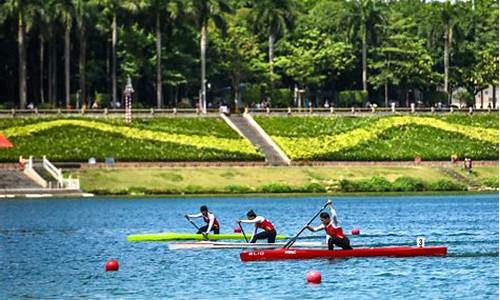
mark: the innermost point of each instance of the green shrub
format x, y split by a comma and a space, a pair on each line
251, 94
352, 98
491, 182
275, 187
281, 98
183, 105
237, 189
408, 184
313, 188
447, 185
346, 185
433, 97
102, 99
134, 190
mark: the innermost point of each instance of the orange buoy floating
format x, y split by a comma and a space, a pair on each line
313, 277
355, 231
112, 265
237, 230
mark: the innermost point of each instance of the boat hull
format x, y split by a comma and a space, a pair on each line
284, 254
175, 236
236, 245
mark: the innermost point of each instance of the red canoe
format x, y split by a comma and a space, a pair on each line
281, 254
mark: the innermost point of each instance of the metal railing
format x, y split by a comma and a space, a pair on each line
172, 112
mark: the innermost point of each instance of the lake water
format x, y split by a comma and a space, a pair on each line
57, 249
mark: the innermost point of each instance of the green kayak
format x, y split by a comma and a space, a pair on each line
175, 236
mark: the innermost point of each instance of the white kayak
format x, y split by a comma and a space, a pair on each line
234, 245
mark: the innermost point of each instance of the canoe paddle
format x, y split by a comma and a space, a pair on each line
242, 231
290, 242
196, 226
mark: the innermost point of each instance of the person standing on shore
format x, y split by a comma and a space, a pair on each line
209, 218
269, 232
334, 233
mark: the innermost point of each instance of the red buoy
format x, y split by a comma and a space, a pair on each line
237, 230
355, 231
313, 276
112, 265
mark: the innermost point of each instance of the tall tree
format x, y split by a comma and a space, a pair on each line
313, 58
205, 11
67, 12
22, 10
363, 18
274, 17
111, 9
164, 11
401, 59
239, 56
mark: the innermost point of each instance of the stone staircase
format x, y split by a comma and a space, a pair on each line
471, 183
16, 180
273, 157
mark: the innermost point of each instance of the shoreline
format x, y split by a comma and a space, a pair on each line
249, 195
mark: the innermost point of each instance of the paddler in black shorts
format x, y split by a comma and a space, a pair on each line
269, 232
334, 233
209, 218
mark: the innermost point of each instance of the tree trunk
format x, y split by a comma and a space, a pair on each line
42, 44
272, 39
494, 96
364, 57
113, 59
21, 34
67, 64
54, 72
386, 94
50, 72
446, 61
82, 64
203, 49
159, 101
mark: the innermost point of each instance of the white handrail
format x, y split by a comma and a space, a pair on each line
55, 172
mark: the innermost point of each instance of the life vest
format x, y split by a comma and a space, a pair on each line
266, 225
334, 231
207, 220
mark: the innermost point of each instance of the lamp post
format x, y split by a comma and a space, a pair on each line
127, 93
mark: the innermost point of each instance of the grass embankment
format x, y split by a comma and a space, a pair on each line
385, 138
162, 139
242, 180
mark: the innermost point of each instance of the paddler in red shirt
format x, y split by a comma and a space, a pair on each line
269, 232
209, 218
334, 233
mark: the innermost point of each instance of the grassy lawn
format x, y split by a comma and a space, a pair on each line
210, 179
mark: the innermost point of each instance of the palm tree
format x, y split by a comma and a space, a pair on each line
169, 9
204, 11
83, 13
448, 21
67, 12
22, 10
111, 7
274, 17
363, 17
43, 21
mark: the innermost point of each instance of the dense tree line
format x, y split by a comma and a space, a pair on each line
60, 52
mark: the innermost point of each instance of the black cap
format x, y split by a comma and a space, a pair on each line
324, 215
251, 213
203, 208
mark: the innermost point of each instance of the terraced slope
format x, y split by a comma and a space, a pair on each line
167, 139
384, 138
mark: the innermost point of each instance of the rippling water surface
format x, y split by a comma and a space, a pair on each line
58, 248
